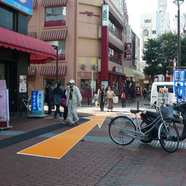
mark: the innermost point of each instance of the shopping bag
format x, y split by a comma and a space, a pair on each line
115, 99
63, 102
97, 104
123, 95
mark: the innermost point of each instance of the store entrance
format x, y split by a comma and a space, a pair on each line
11, 82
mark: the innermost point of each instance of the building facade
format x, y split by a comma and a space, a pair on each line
88, 51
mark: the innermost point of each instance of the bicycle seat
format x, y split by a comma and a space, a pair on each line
135, 111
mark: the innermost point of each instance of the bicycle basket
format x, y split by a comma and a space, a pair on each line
168, 113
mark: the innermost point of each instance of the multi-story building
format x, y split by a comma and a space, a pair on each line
90, 47
153, 25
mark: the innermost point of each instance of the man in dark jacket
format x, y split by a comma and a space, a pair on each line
48, 96
58, 94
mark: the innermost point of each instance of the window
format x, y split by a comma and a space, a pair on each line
169, 87
145, 32
55, 16
115, 56
147, 20
61, 48
154, 32
6, 20
86, 85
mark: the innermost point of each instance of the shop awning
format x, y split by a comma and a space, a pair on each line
53, 35
53, 3
129, 72
40, 51
31, 71
51, 71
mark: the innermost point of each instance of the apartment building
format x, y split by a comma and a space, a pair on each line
89, 37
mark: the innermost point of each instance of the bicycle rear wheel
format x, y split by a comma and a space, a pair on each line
169, 137
119, 130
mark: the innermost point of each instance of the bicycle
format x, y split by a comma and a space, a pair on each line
123, 130
25, 105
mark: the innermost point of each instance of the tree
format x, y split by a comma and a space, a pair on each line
151, 56
159, 54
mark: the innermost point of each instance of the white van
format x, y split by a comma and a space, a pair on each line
156, 88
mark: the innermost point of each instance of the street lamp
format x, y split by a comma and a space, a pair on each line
56, 48
178, 3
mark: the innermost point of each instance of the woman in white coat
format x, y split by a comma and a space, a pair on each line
74, 99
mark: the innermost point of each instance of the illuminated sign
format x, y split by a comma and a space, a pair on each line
22, 5
105, 15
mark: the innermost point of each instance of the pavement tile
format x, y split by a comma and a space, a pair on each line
94, 161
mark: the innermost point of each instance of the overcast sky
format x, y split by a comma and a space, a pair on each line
136, 7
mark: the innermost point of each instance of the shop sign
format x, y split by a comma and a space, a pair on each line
37, 102
22, 5
179, 84
128, 51
105, 15
117, 69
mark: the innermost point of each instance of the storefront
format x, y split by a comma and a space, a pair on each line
17, 52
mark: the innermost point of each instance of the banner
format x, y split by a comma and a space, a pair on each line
37, 102
179, 84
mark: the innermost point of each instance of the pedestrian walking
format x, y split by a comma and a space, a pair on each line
123, 97
48, 96
101, 97
65, 113
110, 94
74, 99
57, 96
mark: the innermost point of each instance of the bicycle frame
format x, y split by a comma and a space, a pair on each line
139, 134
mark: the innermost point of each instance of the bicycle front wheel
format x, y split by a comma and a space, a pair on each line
121, 129
169, 137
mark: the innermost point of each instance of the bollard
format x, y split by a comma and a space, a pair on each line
88, 99
137, 104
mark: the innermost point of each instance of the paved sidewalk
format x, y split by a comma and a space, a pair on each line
94, 160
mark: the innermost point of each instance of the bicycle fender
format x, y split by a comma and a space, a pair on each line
159, 130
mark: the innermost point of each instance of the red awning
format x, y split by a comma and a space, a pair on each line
54, 35
40, 51
51, 71
53, 3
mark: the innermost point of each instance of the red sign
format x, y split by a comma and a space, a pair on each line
128, 51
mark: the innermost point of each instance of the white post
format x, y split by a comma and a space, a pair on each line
92, 86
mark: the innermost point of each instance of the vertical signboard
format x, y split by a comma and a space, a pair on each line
22, 84
105, 15
179, 84
37, 102
128, 51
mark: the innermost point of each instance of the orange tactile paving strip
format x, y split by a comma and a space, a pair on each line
58, 146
